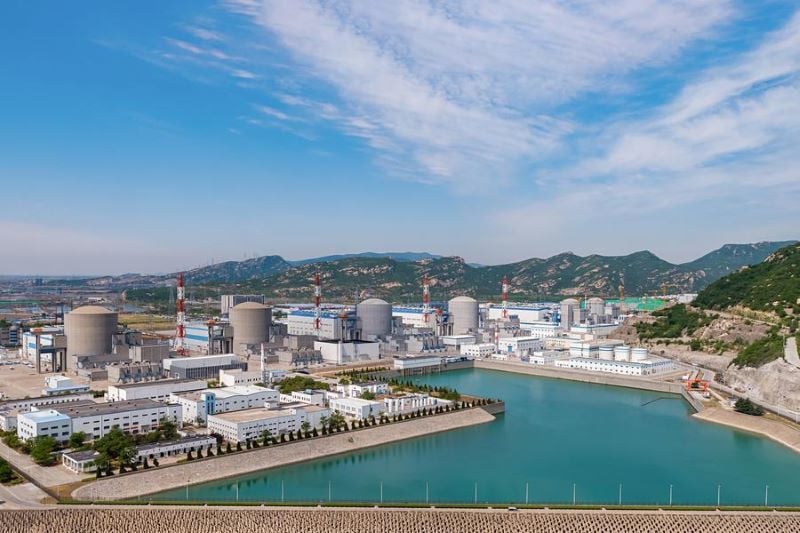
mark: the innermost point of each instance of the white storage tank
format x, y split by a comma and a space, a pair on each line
251, 322
463, 314
638, 354
89, 330
606, 353
375, 316
622, 353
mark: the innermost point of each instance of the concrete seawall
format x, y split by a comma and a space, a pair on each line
237, 464
597, 378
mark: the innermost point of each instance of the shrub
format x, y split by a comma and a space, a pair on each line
744, 405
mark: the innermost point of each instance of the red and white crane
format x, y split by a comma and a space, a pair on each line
180, 329
504, 297
317, 302
426, 299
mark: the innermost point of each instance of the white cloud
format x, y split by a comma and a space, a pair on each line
726, 144
460, 92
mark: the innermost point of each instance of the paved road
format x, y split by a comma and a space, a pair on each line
23, 496
790, 351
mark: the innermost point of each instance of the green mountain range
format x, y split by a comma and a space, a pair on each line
398, 279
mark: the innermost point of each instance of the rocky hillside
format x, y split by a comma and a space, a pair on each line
396, 276
562, 275
772, 286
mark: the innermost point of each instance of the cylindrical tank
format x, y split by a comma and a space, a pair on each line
251, 322
89, 330
375, 316
567, 307
638, 354
622, 353
463, 314
607, 353
596, 306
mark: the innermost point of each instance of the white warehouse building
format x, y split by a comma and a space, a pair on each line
519, 345
240, 426
340, 352
154, 390
478, 351
302, 322
198, 405
356, 408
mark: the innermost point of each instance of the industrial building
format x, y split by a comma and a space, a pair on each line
341, 352
198, 405
527, 314
478, 351
417, 363
356, 408
154, 390
411, 316
331, 324
95, 419
229, 378
202, 367
229, 301
519, 346
639, 368
249, 424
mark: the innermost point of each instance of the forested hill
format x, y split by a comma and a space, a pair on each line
772, 285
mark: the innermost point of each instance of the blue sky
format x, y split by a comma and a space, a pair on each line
156, 136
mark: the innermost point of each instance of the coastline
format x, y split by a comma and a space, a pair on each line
771, 429
597, 378
764, 427
238, 464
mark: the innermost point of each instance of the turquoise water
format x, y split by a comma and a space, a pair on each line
556, 436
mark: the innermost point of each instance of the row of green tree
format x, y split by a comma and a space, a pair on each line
445, 393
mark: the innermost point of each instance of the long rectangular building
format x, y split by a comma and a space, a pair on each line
96, 419
240, 426
159, 390
202, 367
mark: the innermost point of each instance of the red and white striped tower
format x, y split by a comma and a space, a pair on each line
180, 331
505, 297
317, 302
426, 298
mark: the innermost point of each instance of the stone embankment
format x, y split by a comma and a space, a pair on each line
224, 520
237, 464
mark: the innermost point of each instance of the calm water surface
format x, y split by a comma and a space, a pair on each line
558, 437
